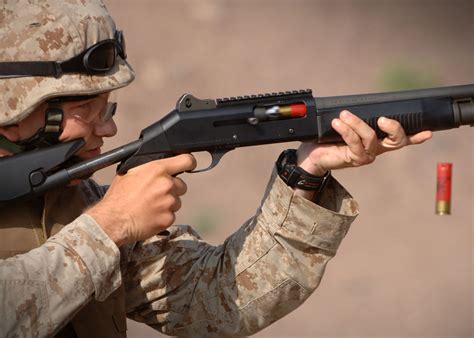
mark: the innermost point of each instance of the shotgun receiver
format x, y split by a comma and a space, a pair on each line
218, 126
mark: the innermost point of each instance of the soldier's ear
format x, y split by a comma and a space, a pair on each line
12, 132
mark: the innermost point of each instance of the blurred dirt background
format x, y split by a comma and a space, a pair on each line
402, 271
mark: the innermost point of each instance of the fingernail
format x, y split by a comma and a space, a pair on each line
336, 122
383, 120
345, 114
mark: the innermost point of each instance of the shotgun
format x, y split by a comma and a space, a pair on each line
219, 126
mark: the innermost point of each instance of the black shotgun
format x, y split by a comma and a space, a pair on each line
218, 126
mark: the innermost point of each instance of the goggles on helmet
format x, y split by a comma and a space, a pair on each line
95, 60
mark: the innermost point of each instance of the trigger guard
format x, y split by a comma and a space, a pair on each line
216, 158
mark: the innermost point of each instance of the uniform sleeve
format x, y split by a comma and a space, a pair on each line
180, 285
42, 289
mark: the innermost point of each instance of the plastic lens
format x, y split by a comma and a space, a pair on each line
108, 112
92, 111
101, 58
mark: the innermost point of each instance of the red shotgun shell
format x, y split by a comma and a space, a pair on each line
443, 189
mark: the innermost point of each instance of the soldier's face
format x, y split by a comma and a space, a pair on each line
87, 120
82, 119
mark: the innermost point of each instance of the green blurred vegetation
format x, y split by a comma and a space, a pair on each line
402, 76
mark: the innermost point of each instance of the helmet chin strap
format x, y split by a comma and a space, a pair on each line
49, 134
10, 146
46, 136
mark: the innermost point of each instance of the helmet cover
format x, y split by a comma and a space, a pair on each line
53, 30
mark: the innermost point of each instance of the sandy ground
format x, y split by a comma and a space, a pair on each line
402, 271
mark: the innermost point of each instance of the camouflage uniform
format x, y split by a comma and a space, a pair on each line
175, 282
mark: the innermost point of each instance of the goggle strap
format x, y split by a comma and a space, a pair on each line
30, 68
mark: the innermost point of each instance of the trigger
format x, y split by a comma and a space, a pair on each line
216, 158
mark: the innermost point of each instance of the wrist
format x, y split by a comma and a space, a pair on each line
109, 224
311, 168
305, 163
306, 179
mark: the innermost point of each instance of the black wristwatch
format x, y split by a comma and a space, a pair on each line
297, 177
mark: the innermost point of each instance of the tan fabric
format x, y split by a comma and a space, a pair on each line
175, 282
53, 30
25, 226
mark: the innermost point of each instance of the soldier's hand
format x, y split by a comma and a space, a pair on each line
361, 144
143, 202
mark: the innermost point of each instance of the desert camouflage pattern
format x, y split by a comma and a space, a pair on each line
42, 289
176, 282
52, 30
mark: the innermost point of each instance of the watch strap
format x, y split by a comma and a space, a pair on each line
297, 177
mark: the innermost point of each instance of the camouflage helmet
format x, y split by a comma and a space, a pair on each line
53, 30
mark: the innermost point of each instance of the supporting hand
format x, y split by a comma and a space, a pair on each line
361, 144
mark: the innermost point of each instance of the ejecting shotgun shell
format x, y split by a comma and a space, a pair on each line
443, 189
295, 110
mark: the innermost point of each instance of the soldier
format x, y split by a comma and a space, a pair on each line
80, 259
